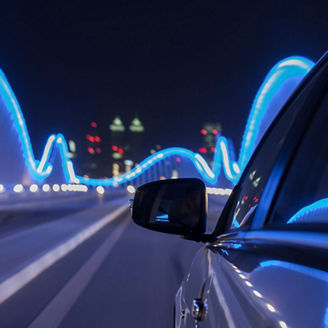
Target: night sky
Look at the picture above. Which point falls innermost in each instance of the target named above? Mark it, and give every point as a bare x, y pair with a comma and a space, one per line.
176, 64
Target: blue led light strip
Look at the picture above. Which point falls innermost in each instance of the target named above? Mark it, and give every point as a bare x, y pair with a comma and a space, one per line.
39, 170
313, 213
284, 70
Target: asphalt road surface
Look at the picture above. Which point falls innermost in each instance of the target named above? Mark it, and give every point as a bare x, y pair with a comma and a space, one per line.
79, 261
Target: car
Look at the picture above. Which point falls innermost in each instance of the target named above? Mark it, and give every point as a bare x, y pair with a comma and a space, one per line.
265, 264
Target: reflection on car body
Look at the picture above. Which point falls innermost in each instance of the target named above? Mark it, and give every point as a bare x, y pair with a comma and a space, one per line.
265, 263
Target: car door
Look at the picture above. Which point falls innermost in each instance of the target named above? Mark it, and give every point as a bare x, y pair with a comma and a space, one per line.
289, 272
229, 277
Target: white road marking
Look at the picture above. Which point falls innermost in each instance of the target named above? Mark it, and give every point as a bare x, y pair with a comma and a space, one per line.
20, 279
62, 303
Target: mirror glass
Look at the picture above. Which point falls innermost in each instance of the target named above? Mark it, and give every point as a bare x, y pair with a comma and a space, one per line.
175, 206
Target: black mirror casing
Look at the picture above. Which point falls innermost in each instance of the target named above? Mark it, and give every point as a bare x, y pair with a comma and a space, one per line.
176, 206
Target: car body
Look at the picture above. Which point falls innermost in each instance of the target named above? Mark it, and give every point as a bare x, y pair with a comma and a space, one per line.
266, 262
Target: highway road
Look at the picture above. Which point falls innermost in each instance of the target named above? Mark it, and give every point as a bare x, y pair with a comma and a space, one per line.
79, 261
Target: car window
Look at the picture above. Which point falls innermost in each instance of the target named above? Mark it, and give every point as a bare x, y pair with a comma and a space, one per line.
303, 198
251, 185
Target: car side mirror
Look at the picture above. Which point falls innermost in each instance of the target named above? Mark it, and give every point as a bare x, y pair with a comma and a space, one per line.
177, 206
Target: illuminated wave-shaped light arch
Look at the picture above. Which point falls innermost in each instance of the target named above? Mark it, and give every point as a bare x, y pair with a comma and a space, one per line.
39, 170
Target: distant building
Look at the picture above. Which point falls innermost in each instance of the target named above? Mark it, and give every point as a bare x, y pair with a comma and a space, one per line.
210, 133
126, 144
117, 141
117, 151
94, 151
134, 140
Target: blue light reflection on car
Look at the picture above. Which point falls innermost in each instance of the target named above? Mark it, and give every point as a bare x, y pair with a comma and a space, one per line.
318, 209
326, 319
315, 273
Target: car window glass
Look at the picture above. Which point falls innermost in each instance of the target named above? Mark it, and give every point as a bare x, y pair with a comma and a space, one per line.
252, 183
303, 198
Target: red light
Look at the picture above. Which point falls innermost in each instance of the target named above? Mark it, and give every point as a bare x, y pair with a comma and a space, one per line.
97, 139
93, 124
121, 151
114, 148
178, 159
203, 150
213, 149
215, 131
90, 138
98, 150
203, 132
91, 150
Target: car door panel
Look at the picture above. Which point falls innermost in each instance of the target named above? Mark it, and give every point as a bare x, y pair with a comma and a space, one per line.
195, 283
265, 288
230, 303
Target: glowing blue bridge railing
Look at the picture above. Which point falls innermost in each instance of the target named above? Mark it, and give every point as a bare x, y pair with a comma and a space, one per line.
274, 91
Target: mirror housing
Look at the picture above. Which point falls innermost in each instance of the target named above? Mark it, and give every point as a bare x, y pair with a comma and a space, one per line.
176, 206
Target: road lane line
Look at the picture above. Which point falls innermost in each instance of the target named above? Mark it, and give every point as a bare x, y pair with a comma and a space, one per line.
20, 279
62, 303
